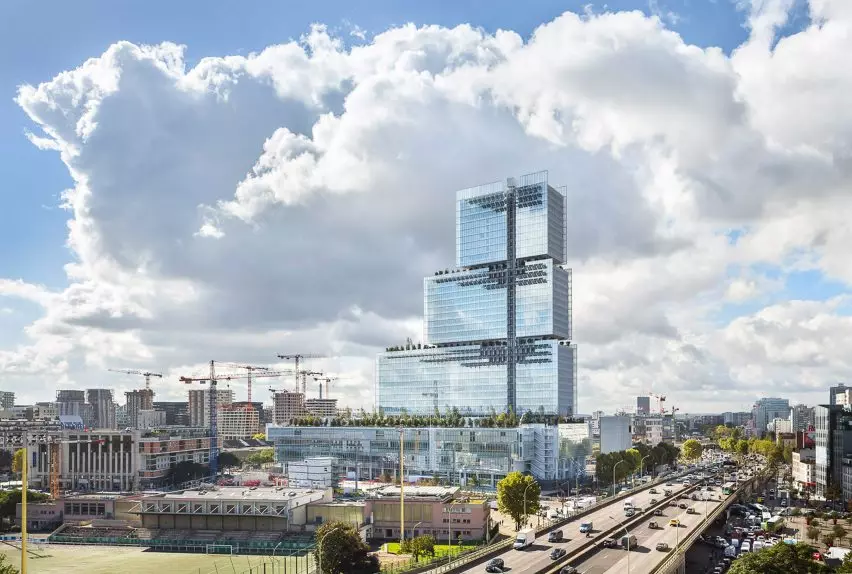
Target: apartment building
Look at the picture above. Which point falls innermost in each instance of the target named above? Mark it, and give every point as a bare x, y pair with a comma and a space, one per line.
113, 460
199, 405
287, 406
237, 422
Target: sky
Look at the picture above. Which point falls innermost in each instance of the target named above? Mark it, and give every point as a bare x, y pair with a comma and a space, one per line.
192, 181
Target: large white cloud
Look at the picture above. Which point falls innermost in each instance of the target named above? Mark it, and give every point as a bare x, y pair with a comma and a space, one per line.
292, 200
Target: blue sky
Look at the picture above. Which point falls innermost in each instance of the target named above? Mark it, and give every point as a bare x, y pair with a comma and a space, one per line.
31, 223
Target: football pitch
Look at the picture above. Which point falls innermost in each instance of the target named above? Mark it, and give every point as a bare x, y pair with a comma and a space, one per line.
61, 559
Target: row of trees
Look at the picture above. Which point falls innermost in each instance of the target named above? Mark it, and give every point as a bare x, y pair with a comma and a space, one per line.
661, 454
782, 559
451, 418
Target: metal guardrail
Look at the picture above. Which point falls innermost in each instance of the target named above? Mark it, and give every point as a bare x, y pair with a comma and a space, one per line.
505, 544
590, 545
672, 563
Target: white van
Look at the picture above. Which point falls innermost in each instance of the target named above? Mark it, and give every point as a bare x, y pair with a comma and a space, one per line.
746, 547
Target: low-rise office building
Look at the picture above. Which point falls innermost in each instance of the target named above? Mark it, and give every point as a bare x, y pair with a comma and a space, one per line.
435, 510
461, 455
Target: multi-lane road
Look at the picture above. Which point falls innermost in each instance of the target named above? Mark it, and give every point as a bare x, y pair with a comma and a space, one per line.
645, 557
536, 557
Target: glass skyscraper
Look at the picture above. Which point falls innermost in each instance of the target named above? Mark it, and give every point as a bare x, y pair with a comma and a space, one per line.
498, 326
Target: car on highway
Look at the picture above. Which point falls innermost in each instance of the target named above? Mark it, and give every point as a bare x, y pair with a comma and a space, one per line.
674, 522
653, 525
691, 511
557, 553
555, 536
609, 543
568, 570
654, 501
682, 505
495, 565
658, 512
652, 491
662, 547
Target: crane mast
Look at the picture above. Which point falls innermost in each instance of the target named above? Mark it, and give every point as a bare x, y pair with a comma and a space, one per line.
213, 401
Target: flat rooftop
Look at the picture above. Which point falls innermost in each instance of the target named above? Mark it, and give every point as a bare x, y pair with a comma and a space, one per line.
244, 493
418, 491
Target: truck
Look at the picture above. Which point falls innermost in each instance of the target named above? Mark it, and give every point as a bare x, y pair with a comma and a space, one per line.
837, 552
525, 538
629, 542
585, 527
628, 503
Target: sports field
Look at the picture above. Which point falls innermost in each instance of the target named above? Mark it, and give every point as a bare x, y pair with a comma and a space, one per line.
60, 559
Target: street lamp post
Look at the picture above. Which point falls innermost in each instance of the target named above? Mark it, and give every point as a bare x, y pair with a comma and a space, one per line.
613, 475
525, 501
319, 546
641, 467
627, 533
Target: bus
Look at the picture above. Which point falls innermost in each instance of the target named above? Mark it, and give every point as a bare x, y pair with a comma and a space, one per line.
729, 487
773, 524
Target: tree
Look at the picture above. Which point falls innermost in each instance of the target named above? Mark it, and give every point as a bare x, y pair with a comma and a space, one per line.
340, 550
5, 567
779, 559
18, 461
229, 459
691, 449
9, 500
263, 456
828, 539
812, 533
259, 436
511, 499
422, 545
742, 447
846, 566
633, 458
839, 532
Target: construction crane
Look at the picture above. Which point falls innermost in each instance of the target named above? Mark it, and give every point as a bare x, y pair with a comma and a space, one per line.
660, 400
297, 358
328, 381
212, 401
249, 369
145, 374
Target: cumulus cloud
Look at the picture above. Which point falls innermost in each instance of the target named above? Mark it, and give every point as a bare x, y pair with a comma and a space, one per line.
292, 200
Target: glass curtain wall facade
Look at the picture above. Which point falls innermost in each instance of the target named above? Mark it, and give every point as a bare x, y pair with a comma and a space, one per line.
370, 452
498, 327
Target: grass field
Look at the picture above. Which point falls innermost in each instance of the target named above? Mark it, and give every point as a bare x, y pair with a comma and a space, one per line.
440, 549
58, 559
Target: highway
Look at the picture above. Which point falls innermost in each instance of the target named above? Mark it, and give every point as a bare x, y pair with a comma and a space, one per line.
646, 557
537, 557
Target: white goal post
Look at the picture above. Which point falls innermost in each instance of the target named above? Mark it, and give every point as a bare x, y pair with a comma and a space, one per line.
218, 549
